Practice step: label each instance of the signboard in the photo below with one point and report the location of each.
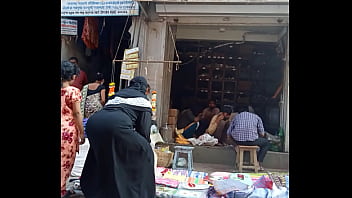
(99, 8)
(125, 73)
(69, 27)
(131, 54)
(128, 68)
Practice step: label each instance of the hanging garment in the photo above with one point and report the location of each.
(90, 33)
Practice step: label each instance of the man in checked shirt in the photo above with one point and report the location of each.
(247, 129)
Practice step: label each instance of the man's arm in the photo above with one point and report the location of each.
(260, 127)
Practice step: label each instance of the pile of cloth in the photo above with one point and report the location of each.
(205, 139)
(242, 185)
(181, 183)
(194, 184)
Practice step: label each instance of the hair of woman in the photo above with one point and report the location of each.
(99, 76)
(68, 69)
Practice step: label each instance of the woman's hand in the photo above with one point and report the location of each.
(82, 140)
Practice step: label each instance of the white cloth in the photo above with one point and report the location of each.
(204, 139)
(80, 159)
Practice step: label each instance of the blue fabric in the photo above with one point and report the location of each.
(213, 194)
(188, 133)
(245, 127)
(260, 193)
(84, 126)
(243, 193)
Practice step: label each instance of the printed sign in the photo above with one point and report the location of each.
(125, 73)
(99, 8)
(133, 55)
(68, 27)
(128, 68)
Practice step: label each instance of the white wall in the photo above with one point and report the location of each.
(69, 49)
(153, 43)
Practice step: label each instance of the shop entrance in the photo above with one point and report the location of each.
(231, 73)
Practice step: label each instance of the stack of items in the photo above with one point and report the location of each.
(171, 121)
(227, 184)
(193, 184)
(181, 183)
(164, 191)
(244, 185)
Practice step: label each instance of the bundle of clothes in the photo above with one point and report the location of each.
(266, 186)
(185, 184)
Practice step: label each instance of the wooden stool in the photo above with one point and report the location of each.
(240, 149)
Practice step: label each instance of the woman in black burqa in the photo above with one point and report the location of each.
(120, 160)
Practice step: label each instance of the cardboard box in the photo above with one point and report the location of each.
(173, 112)
(171, 120)
(173, 129)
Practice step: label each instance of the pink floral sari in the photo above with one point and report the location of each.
(69, 133)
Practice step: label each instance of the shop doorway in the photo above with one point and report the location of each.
(231, 73)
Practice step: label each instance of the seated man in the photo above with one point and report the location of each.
(247, 129)
(210, 111)
(214, 123)
(219, 124)
(205, 119)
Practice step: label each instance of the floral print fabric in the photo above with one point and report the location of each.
(92, 105)
(69, 133)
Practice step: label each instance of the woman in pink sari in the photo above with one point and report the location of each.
(72, 132)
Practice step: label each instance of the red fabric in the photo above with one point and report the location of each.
(264, 182)
(90, 34)
(80, 80)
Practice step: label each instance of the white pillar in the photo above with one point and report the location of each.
(154, 44)
(286, 98)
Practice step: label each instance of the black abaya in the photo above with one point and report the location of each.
(120, 160)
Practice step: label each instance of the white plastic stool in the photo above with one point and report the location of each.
(188, 151)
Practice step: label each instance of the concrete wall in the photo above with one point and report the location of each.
(227, 156)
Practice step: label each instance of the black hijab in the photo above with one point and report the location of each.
(137, 88)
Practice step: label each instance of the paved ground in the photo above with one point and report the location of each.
(204, 167)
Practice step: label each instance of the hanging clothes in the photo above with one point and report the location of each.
(90, 33)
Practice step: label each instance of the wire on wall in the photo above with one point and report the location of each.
(119, 44)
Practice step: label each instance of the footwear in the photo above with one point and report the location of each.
(261, 168)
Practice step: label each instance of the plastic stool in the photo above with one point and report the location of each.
(240, 149)
(188, 151)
